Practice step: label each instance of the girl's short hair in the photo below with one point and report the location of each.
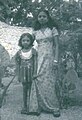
(29, 36)
(51, 23)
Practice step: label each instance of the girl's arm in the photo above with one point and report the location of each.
(17, 61)
(35, 62)
(17, 58)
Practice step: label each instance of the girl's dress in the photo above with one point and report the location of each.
(26, 65)
(43, 94)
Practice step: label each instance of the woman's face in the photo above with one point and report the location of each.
(26, 42)
(42, 18)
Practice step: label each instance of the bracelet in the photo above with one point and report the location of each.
(55, 61)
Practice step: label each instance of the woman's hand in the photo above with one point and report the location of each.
(35, 76)
(55, 64)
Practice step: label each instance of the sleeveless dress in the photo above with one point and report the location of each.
(26, 65)
(43, 93)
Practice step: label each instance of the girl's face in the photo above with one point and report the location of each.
(42, 18)
(26, 42)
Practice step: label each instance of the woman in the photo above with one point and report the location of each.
(46, 36)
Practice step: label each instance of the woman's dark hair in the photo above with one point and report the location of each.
(51, 23)
(29, 36)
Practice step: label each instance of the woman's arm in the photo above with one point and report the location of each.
(56, 45)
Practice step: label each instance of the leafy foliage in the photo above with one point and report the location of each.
(22, 12)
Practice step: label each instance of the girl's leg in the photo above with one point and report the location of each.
(28, 95)
(24, 110)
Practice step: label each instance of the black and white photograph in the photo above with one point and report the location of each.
(40, 59)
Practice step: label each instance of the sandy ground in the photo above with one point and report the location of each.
(13, 103)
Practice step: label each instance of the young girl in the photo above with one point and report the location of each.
(46, 36)
(26, 59)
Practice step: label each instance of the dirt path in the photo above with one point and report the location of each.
(13, 104)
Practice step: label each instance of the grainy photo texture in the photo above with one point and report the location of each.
(40, 59)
